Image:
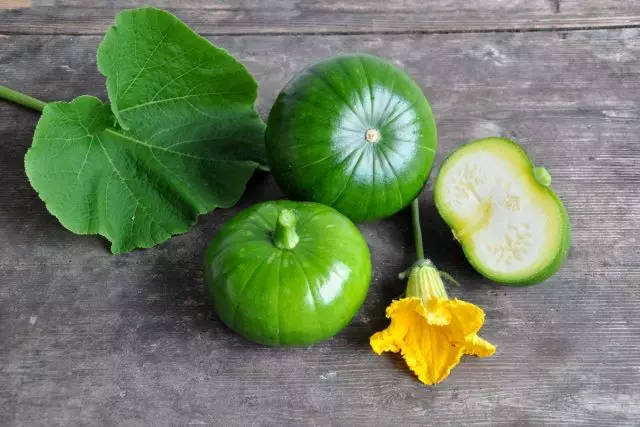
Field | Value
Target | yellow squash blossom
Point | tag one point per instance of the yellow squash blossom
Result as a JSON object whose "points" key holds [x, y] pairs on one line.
{"points": [[430, 330]]}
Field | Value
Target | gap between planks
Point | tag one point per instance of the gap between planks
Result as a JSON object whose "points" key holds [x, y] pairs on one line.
{"points": [[558, 29]]}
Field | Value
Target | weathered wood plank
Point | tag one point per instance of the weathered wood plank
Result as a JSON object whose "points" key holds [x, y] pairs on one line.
{"points": [[15, 4], [336, 16], [93, 339]]}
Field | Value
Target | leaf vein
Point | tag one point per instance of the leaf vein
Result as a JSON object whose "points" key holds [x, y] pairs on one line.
{"points": [[164, 37], [177, 98], [179, 153], [152, 220]]}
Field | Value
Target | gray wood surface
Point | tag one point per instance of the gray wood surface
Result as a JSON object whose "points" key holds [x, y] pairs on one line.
{"points": [[333, 16], [87, 338]]}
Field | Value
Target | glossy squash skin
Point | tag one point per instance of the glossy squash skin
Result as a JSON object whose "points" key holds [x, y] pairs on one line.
{"points": [[288, 296], [352, 132]]}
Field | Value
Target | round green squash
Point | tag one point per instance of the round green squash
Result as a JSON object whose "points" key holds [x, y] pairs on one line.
{"points": [[353, 132], [288, 273]]}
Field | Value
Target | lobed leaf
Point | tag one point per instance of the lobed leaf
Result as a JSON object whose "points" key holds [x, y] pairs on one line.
{"points": [[180, 138]]}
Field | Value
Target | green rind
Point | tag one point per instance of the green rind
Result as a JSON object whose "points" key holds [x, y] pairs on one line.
{"points": [[262, 292], [562, 254], [315, 137], [557, 261]]}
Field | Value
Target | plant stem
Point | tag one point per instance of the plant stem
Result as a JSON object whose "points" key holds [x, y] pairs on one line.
{"points": [[21, 98], [417, 231], [285, 236]]}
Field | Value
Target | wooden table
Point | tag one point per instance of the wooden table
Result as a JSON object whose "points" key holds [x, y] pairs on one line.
{"points": [[87, 338]]}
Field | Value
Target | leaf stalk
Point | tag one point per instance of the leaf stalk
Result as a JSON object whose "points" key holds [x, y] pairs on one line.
{"points": [[21, 99]]}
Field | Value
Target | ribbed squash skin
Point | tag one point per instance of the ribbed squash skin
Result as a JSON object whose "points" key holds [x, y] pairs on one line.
{"points": [[288, 297], [317, 145]]}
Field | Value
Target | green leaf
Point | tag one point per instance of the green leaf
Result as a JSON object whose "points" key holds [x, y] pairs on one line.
{"points": [[180, 138]]}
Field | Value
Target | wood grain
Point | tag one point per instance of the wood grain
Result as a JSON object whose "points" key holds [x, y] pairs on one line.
{"points": [[14, 4], [334, 16], [87, 338]]}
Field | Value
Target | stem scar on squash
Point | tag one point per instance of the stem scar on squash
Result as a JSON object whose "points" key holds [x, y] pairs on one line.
{"points": [[372, 135]]}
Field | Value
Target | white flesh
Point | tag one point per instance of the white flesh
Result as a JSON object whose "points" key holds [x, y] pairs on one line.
{"points": [[497, 213]]}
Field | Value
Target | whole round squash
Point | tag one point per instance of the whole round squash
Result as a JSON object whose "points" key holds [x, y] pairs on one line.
{"points": [[288, 273], [352, 132]]}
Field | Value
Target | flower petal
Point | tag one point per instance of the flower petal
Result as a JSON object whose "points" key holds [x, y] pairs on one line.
{"points": [[476, 346], [467, 318], [432, 339], [429, 353], [438, 312], [405, 304], [385, 341], [391, 338], [426, 348]]}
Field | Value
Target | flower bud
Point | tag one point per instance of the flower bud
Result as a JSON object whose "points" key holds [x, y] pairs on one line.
{"points": [[425, 282]]}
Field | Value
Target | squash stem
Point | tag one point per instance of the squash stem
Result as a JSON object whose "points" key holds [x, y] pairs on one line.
{"points": [[21, 99], [285, 236], [417, 230]]}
